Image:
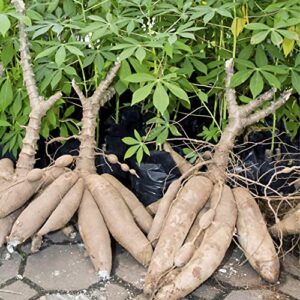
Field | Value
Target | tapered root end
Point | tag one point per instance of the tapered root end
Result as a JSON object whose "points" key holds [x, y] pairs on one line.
{"points": [[36, 243], [270, 271]]}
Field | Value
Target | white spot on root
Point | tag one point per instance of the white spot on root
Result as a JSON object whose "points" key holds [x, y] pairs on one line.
{"points": [[12, 245], [103, 275]]}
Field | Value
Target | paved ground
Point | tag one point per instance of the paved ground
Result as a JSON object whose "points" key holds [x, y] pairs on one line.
{"points": [[61, 271]]}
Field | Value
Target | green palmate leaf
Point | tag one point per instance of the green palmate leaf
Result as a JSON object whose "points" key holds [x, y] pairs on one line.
{"points": [[137, 135], [276, 38], [177, 91], [259, 37], [296, 81], [56, 79], [287, 46], [142, 93], [260, 57], [162, 137], [60, 56], [174, 130], [208, 16], [257, 26], [256, 84], [130, 141], [272, 80], [154, 133], [160, 98], [74, 50], [139, 77], [240, 77], [4, 24], [140, 54], [202, 96], [46, 52], [6, 95], [41, 31], [146, 149], [139, 155], [292, 35], [4, 123], [126, 53], [68, 112], [200, 66], [131, 151]]}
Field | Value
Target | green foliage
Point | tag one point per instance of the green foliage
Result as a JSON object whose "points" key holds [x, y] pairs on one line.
{"points": [[172, 54]]}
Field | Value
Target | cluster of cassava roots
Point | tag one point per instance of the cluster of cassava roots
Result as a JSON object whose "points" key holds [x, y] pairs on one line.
{"points": [[194, 221]]}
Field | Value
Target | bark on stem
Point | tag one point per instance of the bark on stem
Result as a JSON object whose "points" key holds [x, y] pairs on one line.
{"points": [[91, 106], [38, 105], [239, 118], [86, 159]]}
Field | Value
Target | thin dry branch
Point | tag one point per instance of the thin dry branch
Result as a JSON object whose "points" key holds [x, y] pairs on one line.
{"points": [[230, 92], [254, 118]]}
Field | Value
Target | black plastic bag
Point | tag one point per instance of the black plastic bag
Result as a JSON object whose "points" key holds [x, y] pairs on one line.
{"points": [[156, 173]]}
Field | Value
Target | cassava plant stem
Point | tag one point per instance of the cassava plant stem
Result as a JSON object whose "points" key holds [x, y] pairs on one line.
{"points": [[91, 106], [38, 105], [239, 118]]}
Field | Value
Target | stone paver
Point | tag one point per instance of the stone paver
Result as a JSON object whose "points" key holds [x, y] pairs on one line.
{"points": [[237, 272], [291, 287], [112, 291], [66, 273], [291, 264], [61, 267], [65, 297], [130, 270], [206, 292], [17, 291], [255, 295], [9, 267], [60, 237]]}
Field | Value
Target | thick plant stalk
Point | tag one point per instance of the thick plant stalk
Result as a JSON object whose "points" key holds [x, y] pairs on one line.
{"points": [[17, 189], [209, 245], [39, 106]]}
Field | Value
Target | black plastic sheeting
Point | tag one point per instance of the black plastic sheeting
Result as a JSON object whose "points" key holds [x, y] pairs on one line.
{"points": [[156, 173], [260, 165]]}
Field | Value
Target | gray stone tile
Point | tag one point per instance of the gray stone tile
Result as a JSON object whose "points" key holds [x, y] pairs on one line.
{"points": [[61, 267], [60, 237], [9, 267], [291, 287], [112, 291], [237, 272], [291, 264], [130, 270], [255, 295], [58, 296], [17, 291], [206, 292]]}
